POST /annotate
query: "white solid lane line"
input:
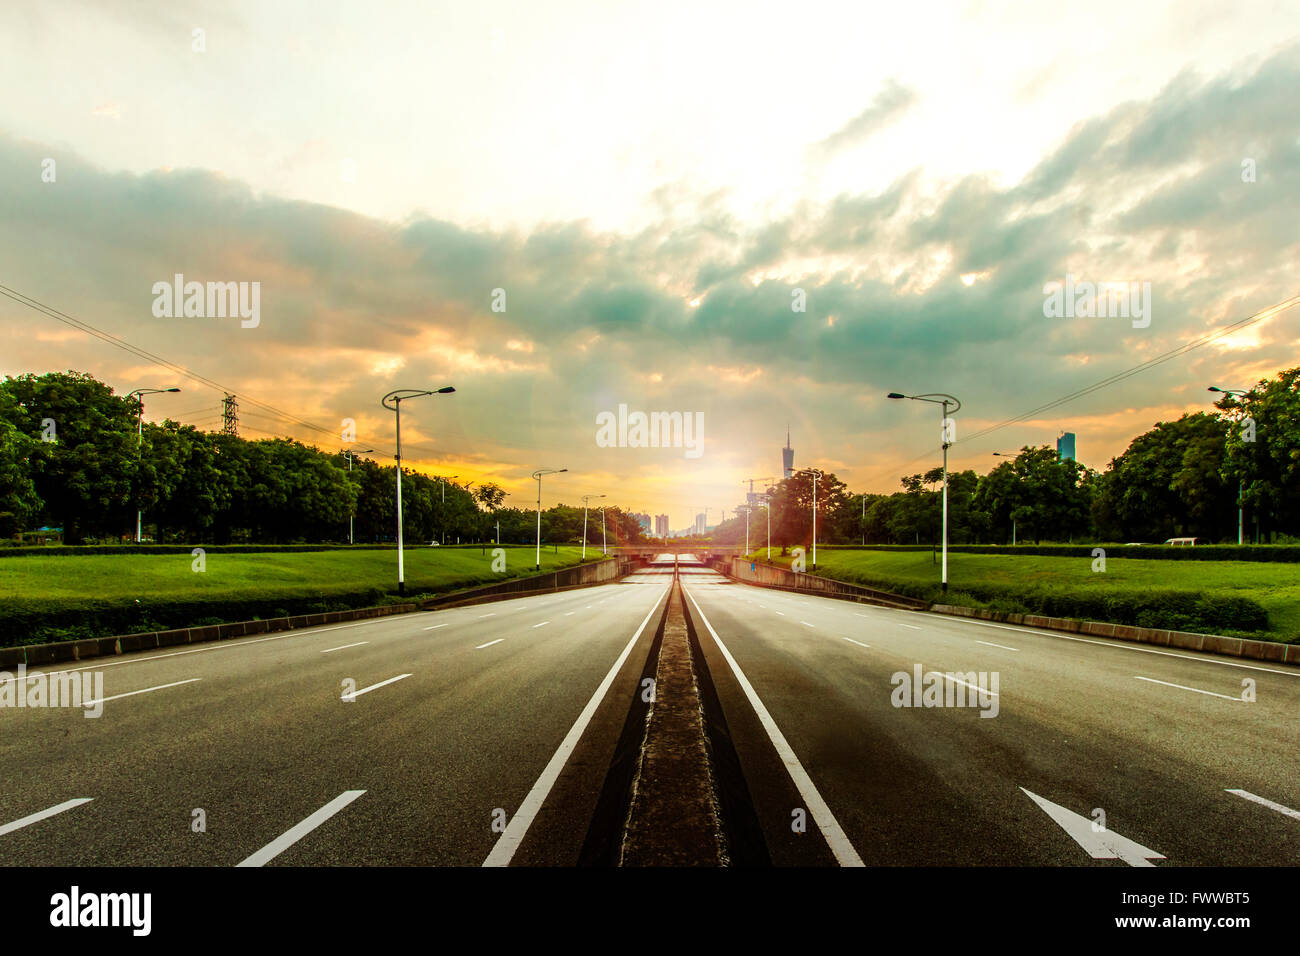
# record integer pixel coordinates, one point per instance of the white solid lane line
(38, 817)
(859, 643)
(1246, 794)
(493, 614)
(504, 850)
(1003, 646)
(489, 643)
(835, 837)
(543, 624)
(435, 627)
(300, 830)
(912, 626)
(132, 693)
(806, 624)
(366, 690)
(568, 614)
(1209, 693)
(344, 647)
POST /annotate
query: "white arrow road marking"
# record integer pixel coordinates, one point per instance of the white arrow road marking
(300, 830)
(489, 643)
(1106, 845)
(1209, 693)
(367, 690)
(38, 817)
(344, 647)
(1295, 814)
(132, 693)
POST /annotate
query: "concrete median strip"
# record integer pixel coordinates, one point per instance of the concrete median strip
(831, 831)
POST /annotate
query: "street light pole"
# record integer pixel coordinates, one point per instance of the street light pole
(1241, 484)
(397, 397)
(604, 542)
(940, 398)
(538, 475)
(139, 439)
(585, 500)
(348, 453)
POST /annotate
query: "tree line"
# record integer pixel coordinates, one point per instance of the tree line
(71, 458)
(1180, 479)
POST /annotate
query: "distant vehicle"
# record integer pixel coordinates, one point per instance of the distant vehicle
(1179, 542)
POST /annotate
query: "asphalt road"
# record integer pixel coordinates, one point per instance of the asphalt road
(1085, 725)
(466, 722)
(456, 715)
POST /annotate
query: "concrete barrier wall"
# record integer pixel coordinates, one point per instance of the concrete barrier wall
(768, 576)
(1210, 643)
(583, 575)
(62, 651)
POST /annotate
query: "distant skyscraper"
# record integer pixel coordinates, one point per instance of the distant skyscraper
(787, 456)
(699, 523)
(661, 526)
(643, 520)
(1065, 447)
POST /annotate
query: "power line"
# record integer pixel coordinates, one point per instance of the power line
(126, 346)
(1129, 372)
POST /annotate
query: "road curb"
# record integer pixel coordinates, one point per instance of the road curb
(1185, 640)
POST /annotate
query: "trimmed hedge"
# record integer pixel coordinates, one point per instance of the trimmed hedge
(1166, 608)
(46, 621)
(1158, 552)
(61, 550)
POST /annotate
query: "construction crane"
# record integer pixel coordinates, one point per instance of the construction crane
(749, 504)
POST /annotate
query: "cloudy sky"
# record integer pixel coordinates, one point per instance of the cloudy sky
(654, 186)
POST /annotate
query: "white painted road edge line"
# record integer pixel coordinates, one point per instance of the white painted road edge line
(344, 647)
(489, 643)
(132, 693)
(366, 690)
(38, 817)
(1003, 646)
(859, 643)
(1183, 687)
(1208, 693)
(835, 837)
(300, 830)
(504, 850)
(1246, 794)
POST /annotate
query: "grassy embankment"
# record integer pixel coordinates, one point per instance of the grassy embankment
(46, 597)
(1239, 598)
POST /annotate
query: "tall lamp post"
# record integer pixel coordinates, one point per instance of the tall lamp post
(604, 542)
(396, 398)
(1241, 484)
(348, 453)
(585, 499)
(816, 474)
(538, 475)
(999, 454)
(139, 437)
(939, 398)
(442, 506)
